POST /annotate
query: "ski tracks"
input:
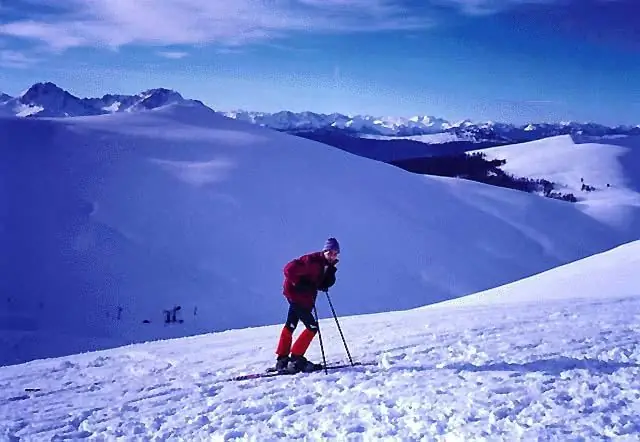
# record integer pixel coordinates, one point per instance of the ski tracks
(541, 374)
(135, 394)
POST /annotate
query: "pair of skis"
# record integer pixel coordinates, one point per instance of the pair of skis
(272, 372)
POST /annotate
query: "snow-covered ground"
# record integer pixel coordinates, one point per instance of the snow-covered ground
(113, 220)
(437, 138)
(553, 357)
(610, 166)
(421, 146)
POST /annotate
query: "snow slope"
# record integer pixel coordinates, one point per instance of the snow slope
(610, 165)
(560, 360)
(112, 220)
(437, 138)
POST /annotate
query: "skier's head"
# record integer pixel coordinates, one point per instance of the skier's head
(331, 249)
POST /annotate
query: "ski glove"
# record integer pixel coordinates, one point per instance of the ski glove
(329, 279)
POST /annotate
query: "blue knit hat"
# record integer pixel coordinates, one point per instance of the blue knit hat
(331, 244)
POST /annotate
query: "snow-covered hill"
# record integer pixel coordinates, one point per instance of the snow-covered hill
(113, 220)
(603, 175)
(606, 277)
(436, 138)
(552, 357)
(49, 100)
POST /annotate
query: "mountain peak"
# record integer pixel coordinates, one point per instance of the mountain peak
(47, 99)
(41, 89)
(153, 98)
(160, 91)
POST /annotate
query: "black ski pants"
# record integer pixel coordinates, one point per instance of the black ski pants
(297, 313)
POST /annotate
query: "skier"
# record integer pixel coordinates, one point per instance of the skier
(304, 276)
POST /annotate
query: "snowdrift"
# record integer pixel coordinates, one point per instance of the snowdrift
(113, 222)
(611, 275)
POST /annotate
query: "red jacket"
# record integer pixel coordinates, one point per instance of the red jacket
(305, 275)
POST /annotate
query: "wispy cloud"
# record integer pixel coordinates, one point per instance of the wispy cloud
(486, 7)
(226, 50)
(539, 102)
(15, 59)
(174, 55)
(116, 23)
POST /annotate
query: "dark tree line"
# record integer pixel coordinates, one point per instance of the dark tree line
(476, 167)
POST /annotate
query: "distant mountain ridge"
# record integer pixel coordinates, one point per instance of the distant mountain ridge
(49, 100)
(424, 128)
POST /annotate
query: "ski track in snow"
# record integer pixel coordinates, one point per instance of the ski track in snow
(563, 370)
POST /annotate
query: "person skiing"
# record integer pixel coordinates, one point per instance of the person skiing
(304, 276)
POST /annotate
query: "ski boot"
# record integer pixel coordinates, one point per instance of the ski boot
(282, 364)
(301, 364)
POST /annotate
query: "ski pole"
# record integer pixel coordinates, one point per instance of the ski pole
(339, 329)
(315, 311)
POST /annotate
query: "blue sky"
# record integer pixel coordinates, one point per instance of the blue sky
(502, 60)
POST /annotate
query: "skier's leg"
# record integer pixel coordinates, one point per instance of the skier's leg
(286, 336)
(304, 340)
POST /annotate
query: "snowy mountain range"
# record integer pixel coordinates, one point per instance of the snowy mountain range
(419, 126)
(49, 100)
(362, 124)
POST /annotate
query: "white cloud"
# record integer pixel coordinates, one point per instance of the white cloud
(174, 55)
(15, 59)
(115, 23)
